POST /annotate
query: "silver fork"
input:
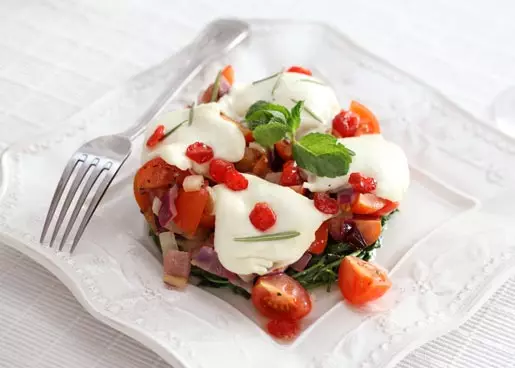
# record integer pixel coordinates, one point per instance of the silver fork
(108, 153)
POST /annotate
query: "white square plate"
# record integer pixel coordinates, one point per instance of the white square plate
(446, 253)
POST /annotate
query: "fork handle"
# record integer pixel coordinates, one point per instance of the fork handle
(217, 37)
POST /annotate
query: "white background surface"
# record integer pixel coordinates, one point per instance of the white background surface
(57, 56)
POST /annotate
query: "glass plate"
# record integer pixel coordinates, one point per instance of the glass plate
(447, 249)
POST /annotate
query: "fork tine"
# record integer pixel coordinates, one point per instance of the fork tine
(68, 170)
(88, 162)
(111, 173)
(80, 202)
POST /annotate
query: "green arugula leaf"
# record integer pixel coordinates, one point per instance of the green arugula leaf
(322, 155)
(268, 134)
(294, 120)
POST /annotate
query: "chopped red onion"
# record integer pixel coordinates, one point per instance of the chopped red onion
(206, 258)
(345, 196)
(177, 268)
(168, 210)
(303, 261)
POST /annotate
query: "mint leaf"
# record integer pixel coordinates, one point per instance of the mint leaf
(261, 105)
(294, 120)
(268, 134)
(322, 155)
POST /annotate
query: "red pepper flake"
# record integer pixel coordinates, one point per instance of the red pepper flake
(235, 180)
(262, 216)
(361, 183)
(156, 137)
(325, 204)
(218, 168)
(199, 152)
(290, 175)
(299, 69)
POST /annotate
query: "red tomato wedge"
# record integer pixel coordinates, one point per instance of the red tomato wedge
(278, 296)
(361, 282)
(283, 329)
(366, 203)
(387, 209)
(369, 228)
(228, 74)
(368, 123)
(190, 208)
(320, 242)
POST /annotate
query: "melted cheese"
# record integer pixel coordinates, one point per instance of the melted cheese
(289, 87)
(223, 136)
(375, 157)
(294, 213)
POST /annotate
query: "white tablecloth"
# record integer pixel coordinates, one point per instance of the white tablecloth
(58, 56)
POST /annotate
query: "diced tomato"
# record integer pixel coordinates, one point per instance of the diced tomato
(218, 168)
(190, 207)
(278, 296)
(299, 69)
(369, 228)
(156, 137)
(290, 175)
(366, 203)
(261, 167)
(325, 204)
(361, 183)
(368, 123)
(361, 282)
(153, 175)
(387, 209)
(284, 150)
(235, 180)
(299, 189)
(345, 124)
(207, 221)
(228, 74)
(283, 329)
(199, 152)
(320, 242)
(262, 216)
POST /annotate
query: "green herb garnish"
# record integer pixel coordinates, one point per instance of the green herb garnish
(267, 78)
(312, 81)
(173, 129)
(216, 87)
(322, 155)
(310, 112)
(276, 84)
(191, 115)
(269, 237)
(318, 153)
(210, 280)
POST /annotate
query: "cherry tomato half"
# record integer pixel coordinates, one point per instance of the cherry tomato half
(278, 296)
(368, 123)
(361, 282)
